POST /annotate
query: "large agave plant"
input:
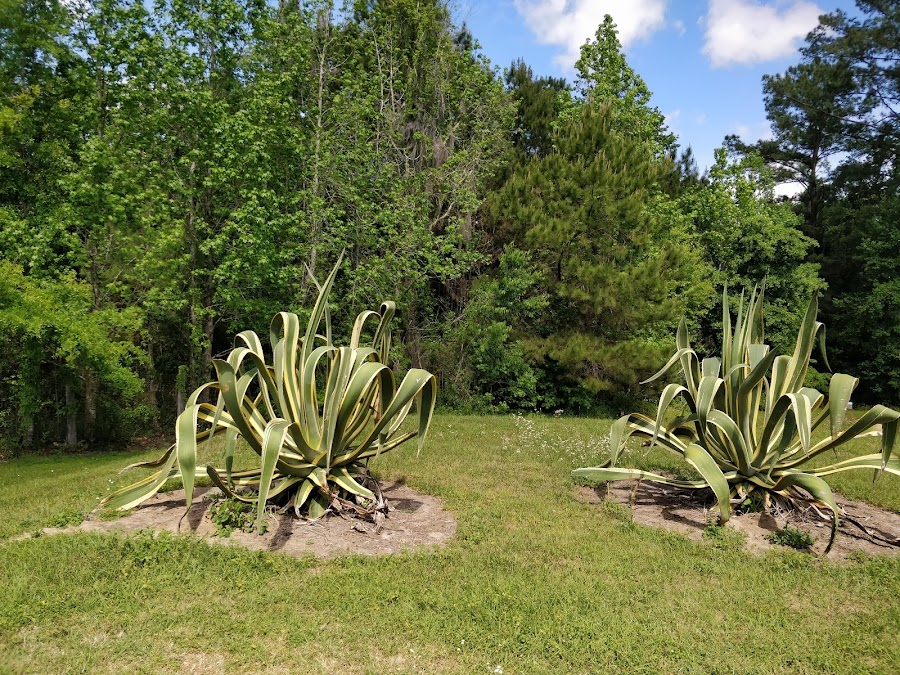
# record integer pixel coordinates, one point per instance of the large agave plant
(749, 423)
(312, 445)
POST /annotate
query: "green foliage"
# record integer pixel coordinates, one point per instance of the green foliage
(187, 159)
(747, 237)
(749, 424)
(835, 133)
(413, 125)
(870, 304)
(184, 160)
(480, 359)
(229, 514)
(865, 45)
(538, 105)
(587, 196)
(312, 453)
(605, 78)
(588, 215)
(793, 537)
(55, 342)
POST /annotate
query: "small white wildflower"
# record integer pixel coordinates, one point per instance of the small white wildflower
(498, 669)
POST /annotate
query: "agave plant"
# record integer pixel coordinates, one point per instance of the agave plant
(313, 442)
(749, 422)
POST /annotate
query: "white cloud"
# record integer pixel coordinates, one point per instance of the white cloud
(569, 23)
(789, 189)
(679, 27)
(746, 31)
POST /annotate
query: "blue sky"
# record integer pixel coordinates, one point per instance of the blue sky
(702, 59)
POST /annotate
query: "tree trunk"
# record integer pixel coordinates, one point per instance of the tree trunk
(71, 417)
(324, 26)
(90, 406)
(152, 382)
(28, 433)
(413, 337)
(206, 364)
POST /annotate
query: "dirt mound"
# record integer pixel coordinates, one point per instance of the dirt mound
(689, 512)
(415, 520)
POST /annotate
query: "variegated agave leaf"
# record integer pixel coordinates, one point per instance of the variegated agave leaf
(751, 421)
(313, 412)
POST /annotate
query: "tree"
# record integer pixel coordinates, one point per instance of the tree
(613, 275)
(840, 103)
(425, 121)
(588, 196)
(868, 43)
(749, 238)
(809, 107)
(56, 345)
(538, 105)
(41, 128)
(604, 77)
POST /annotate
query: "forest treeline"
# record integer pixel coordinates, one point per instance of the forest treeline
(170, 170)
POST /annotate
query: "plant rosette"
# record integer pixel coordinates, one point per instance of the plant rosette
(313, 449)
(749, 426)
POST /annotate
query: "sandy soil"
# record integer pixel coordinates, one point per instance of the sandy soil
(688, 512)
(414, 521)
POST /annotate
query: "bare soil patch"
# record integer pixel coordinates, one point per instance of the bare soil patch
(414, 521)
(689, 512)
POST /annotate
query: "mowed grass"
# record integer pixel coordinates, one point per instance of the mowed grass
(534, 581)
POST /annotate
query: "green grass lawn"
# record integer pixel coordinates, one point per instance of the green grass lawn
(533, 582)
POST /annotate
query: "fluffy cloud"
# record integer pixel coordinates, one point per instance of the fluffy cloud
(790, 189)
(745, 31)
(568, 23)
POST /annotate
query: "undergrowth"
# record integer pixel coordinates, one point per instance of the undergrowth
(792, 537)
(229, 514)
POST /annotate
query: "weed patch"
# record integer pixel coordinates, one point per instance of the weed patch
(723, 537)
(66, 518)
(792, 537)
(230, 514)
